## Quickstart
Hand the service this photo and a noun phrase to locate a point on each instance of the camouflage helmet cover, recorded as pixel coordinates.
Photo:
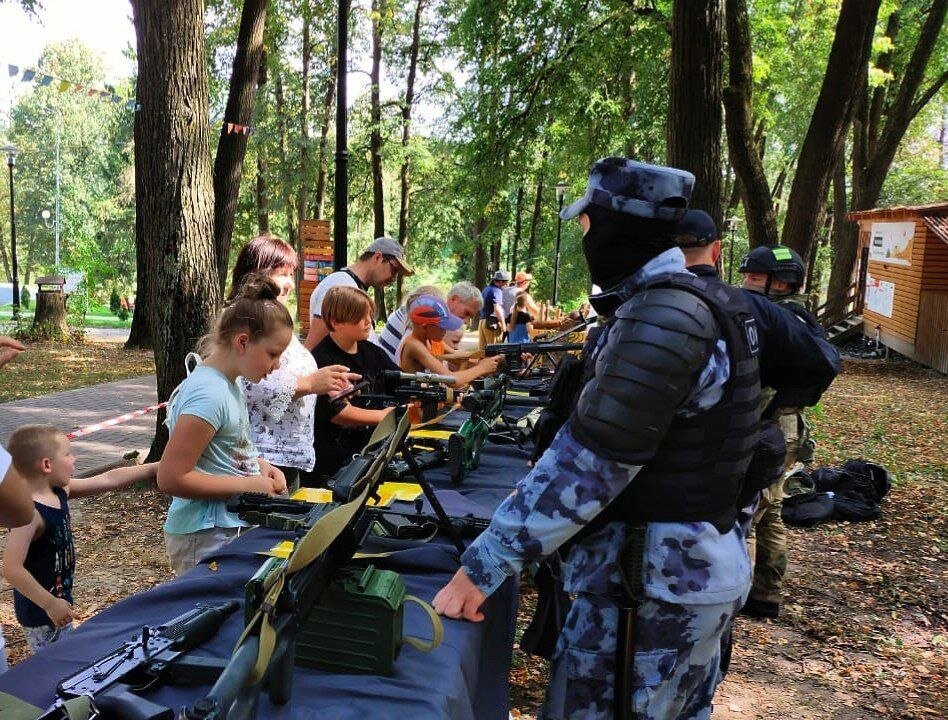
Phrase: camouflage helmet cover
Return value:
(635, 188)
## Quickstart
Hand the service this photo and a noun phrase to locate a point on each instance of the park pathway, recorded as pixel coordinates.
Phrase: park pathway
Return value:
(73, 409)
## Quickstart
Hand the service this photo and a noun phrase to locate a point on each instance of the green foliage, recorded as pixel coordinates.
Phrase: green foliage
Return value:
(97, 189)
(115, 302)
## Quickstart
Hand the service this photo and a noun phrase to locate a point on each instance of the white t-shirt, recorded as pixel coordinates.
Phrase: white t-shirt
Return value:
(340, 278)
(5, 462)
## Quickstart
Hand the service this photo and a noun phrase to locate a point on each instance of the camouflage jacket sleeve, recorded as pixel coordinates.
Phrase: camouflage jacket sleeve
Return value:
(566, 489)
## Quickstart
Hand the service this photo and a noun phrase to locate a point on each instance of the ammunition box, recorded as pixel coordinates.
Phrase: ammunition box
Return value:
(357, 625)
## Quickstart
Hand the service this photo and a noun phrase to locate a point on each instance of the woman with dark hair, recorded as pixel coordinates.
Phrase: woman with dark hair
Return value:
(282, 406)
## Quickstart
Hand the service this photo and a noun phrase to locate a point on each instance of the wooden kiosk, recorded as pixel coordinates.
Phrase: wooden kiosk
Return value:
(905, 292)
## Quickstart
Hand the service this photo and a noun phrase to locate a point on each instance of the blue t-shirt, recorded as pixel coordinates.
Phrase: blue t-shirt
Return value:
(492, 295)
(208, 395)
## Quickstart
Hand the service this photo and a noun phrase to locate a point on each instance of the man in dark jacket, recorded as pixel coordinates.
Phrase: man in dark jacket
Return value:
(797, 364)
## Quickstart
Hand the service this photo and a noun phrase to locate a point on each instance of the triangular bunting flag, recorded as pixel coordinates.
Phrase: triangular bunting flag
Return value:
(28, 75)
(230, 128)
(64, 85)
(116, 99)
(14, 70)
(92, 93)
(45, 81)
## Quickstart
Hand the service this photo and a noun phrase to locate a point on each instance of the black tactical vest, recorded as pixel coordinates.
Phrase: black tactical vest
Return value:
(697, 472)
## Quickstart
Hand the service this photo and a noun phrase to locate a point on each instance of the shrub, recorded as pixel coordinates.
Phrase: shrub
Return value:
(115, 302)
(25, 298)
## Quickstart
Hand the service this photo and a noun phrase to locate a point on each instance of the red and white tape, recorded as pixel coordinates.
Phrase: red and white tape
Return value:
(88, 430)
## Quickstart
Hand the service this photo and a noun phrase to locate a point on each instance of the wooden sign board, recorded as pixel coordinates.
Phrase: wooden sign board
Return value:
(316, 263)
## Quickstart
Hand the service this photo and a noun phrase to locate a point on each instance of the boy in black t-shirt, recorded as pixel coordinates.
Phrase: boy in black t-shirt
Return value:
(39, 559)
(344, 427)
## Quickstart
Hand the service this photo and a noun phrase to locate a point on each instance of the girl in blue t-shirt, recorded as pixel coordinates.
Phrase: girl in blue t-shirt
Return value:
(210, 456)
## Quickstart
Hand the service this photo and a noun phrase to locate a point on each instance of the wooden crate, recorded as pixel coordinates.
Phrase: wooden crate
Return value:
(316, 264)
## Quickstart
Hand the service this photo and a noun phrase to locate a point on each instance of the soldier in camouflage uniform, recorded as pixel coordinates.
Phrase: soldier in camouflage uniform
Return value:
(777, 273)
(656, 447)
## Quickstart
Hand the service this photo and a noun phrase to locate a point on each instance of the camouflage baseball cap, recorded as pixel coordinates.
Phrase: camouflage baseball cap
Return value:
(634, 188)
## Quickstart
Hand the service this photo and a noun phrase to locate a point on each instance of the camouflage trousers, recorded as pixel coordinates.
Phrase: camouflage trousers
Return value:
(675, 671)
(767, 540)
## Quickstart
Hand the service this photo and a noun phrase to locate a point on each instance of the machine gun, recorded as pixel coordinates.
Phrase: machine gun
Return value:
(486, 404)
(428, 390)
(286, 514)
(265, 653)
(158, 655)
(513, 353)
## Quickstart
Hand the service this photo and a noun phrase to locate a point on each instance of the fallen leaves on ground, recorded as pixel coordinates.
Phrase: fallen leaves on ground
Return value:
(50, 367)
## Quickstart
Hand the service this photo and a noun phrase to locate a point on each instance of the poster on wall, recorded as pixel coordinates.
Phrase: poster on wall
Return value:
(879, 296)
(891, 242)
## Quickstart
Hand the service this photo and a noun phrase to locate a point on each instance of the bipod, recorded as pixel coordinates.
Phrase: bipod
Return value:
(443, 520)
(509, 434)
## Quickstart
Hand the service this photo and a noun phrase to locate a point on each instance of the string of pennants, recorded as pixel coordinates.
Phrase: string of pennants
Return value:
(109, 94)
(236, 129)
(44, 80)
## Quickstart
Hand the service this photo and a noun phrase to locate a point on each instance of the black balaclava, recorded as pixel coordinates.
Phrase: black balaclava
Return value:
(618, 244)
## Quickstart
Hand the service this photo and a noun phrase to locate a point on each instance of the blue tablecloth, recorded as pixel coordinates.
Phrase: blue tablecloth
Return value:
(464, 679)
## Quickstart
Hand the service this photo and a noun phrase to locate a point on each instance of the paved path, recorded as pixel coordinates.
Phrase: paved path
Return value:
(73, 409)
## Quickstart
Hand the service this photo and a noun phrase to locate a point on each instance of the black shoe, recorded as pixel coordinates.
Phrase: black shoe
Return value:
(760, 609)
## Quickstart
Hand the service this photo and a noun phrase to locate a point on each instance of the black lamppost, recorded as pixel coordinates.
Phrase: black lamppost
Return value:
(340, 214)
(11, 161)
(732, 227)
(560, 188)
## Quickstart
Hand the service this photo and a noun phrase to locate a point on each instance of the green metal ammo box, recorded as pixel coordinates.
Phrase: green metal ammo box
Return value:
(357, 625)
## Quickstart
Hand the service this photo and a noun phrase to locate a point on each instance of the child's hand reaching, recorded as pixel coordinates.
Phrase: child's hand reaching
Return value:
(276, 478)
(59, 611)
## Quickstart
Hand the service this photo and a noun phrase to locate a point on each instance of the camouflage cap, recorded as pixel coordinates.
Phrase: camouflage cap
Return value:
(634, 188)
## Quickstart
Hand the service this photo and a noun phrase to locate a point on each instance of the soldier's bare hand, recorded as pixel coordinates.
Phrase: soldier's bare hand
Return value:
(460, 599)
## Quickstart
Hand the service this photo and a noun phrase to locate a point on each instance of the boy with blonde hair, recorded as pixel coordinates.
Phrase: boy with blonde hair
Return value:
(39, 559)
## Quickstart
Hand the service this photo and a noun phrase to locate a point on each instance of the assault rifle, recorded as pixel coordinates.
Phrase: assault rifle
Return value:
(157, 656)
(428, 390)
(286, 514)
(486, 405)
(265, 652)
(513, 353)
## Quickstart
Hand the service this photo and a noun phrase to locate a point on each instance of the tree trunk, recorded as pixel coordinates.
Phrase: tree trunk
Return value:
(232, 147)
(826, 134)
(693, 130)
(49, 319)
(174, 221)
(836, 236)
(534, 222)
(263, 214)
(139, 336)
(28, 265)
(480, 254)
(322, 169)
(742, 150)
(4, 256)
(875, 142)
(404, 174)
(302, 192)
(292, 235)
(518, 224)
(375, 139)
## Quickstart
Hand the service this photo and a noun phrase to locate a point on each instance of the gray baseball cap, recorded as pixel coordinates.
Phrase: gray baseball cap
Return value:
(635, 188)
(501, 276)
(391, 247)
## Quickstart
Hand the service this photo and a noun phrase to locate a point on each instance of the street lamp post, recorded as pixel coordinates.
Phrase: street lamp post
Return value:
(52, 223)
(732, 227)
(560, 188)
(11, 161)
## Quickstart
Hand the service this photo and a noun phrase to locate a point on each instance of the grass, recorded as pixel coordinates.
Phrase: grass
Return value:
(97, 317)
(52, 367)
